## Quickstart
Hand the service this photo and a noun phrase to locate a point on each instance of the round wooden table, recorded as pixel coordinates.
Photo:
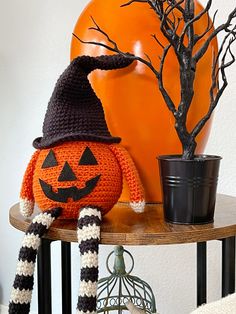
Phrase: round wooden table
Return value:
(124, 227)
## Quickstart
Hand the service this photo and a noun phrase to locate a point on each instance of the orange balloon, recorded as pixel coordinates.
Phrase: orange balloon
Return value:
(134, 107)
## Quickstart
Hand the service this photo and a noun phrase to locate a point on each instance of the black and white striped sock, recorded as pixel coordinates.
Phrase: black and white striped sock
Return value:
(24, 280)
(88, 237)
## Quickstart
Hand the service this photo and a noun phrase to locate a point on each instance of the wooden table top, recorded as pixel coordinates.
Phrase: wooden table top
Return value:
(122, 226)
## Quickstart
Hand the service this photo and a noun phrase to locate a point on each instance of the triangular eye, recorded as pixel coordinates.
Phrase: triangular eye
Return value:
(67, 173)
(50, 160)
(88, 158)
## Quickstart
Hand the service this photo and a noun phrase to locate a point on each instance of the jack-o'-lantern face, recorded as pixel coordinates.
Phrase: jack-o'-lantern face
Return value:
(76, 174)
(67, 174)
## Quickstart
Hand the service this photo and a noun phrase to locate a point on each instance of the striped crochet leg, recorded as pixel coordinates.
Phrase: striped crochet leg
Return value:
(24, 280)
(88, 237)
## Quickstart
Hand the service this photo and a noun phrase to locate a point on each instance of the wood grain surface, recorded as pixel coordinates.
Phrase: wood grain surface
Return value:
(122, 226)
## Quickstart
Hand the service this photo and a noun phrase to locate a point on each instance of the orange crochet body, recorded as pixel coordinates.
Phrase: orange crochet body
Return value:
(26, 192)
(106, 192)
(130, 173)
(76, 174)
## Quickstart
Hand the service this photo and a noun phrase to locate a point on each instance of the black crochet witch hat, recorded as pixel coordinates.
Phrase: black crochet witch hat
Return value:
(74, 112)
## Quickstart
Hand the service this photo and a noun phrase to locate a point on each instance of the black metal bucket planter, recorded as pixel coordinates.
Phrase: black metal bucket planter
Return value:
(189, 188)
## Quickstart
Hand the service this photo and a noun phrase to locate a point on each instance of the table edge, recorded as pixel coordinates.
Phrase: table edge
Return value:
(139, 239)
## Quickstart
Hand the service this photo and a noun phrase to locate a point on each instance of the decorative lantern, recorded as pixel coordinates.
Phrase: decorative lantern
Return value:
(115, 291)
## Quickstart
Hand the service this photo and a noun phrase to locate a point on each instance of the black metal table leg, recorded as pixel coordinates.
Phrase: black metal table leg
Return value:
(66, 277)
(44, 278)
(228, 266)
(201, 273)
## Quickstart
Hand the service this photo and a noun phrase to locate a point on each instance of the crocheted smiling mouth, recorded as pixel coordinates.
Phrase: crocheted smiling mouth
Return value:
(63, 194)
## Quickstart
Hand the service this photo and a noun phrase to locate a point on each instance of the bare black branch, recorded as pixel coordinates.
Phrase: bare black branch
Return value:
(177, 19)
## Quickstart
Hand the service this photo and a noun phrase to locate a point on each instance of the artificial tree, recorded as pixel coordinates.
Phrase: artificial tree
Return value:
(177, 19)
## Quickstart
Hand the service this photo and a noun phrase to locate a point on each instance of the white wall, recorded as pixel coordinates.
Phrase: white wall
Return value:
(34, 50)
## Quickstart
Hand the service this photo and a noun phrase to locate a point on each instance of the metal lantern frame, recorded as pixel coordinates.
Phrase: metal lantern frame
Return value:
(120, 287)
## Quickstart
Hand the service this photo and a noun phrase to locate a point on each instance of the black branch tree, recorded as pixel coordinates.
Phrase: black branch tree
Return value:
(177, 19)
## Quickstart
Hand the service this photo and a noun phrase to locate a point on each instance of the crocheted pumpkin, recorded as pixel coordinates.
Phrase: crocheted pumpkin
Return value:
(73, 175)
(76, 173)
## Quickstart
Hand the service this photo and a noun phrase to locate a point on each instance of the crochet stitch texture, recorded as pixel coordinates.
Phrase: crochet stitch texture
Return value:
(76, 173)
(24, 280)
(74, 110)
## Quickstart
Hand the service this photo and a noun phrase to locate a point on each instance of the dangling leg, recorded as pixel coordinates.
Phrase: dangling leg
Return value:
(88, 237)
(24, 280)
